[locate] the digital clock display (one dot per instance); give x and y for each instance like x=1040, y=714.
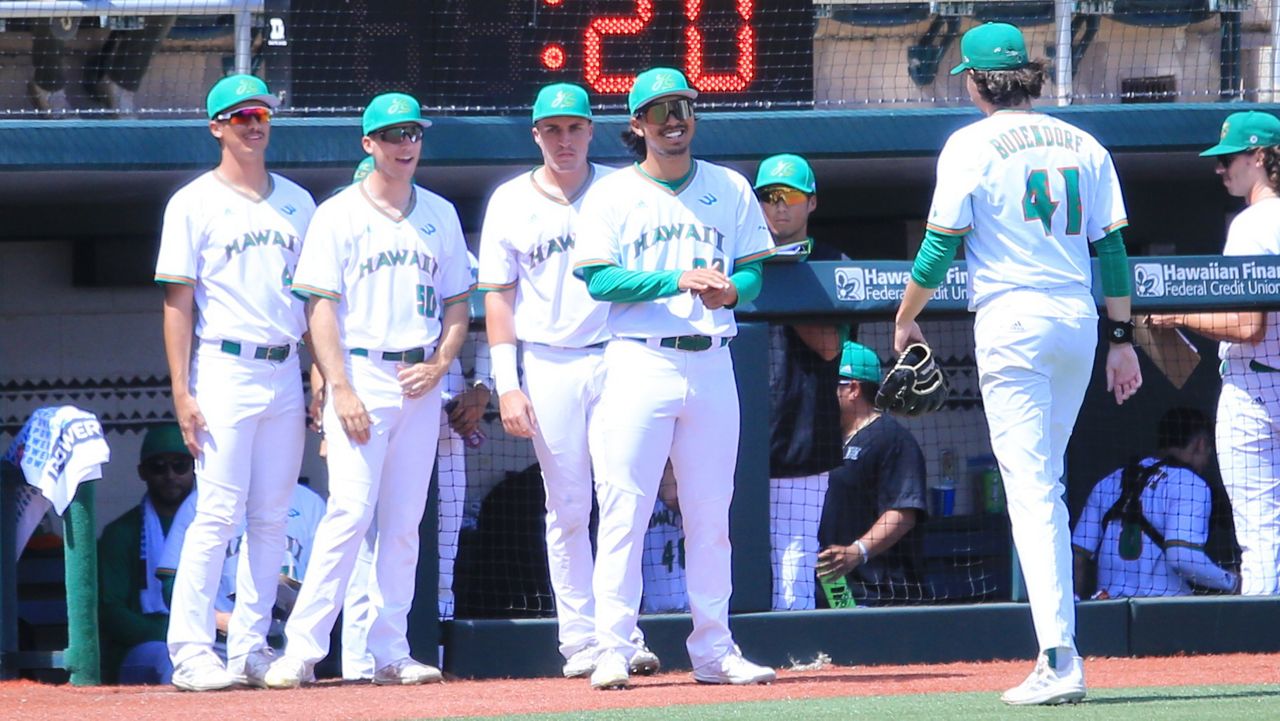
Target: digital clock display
x=491, y=56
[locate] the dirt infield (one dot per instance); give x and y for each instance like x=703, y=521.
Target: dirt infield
x=334, y=700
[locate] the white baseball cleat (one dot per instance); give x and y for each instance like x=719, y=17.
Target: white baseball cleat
x=611, y=671
x=204, y=672
x=287, y=672
x=254, y=670
x=645, y=662
x=1046, y=685
x=732, y=668
x=406, y=672
x=581, y=662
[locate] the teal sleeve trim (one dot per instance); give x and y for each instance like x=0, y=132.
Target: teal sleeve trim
x=617, y=285
x=1113, y=264
x=749, y=281
x=935, y=256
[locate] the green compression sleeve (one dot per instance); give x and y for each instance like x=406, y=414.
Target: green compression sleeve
x=1113, y=263
x=935, y=256
x=617, y=285
x=749, y=280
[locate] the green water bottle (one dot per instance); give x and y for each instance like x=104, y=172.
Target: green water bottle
x=838, y=593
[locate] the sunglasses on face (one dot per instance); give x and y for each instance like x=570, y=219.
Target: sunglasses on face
x=786, y=196
x=158, y=466
x=401, y=133
x=657, y=113
x=244, y=116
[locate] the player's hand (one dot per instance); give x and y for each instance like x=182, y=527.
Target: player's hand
x=191, y=421
x=517, y=414
x=836, y=562
x=1124, y=377
x=351, y=414
x=469, y=410
x=703, y=279
x=717, y=298
x=906, y=334
x=417, y=379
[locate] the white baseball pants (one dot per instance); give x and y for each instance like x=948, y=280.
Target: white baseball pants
x=1248, y=454
x=564, y=385
x=357, y=664
x=387, y=478
x=795, y=509
x=1035, y=356
x=247, y=468
x=659, y=403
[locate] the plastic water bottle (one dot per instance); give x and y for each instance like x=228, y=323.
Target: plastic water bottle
x=837, y=593
x=944, y=494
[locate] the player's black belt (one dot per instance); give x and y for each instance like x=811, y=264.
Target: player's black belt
x=261, y=352
x=413, y=355
x=593, y=346
x=692, y=342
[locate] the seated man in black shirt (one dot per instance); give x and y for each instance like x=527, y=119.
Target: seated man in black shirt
x=876, y=499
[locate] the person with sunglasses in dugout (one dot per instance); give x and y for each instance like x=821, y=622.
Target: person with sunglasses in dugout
x=804, y=419
x=134, y=615
x=674, y=244
x=1248, y=154
x=387, y=278
x=230, y=241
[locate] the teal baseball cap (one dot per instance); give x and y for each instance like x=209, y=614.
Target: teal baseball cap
x=657, y=83
x=163, y=438
x=363, y=169
x=859, y=363
x=786, y=169
x=1246, y=131
x=561, y=99
x=993, y=46
x=236, y=89
x=392, y=109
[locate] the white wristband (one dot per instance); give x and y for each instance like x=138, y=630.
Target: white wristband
x=862, y=548
x=505, y=376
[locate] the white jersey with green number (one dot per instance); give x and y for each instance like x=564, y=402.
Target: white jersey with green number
x=239, y=254
x=1030, y=192
x=392, y=279
x=1256, y=231
x=526, y=244
x=631, y=221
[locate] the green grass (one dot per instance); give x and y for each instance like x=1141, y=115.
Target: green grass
x=1194, y=703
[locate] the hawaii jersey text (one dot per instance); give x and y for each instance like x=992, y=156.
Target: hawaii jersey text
x=260, y=238
x=393, y=258
x=663, y=233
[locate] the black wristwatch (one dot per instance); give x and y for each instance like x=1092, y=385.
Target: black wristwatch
x=1120, y=331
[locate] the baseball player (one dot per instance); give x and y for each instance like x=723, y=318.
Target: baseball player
x=530, y=297
x=1027, y=193
x=663, y=565
x=673, y=243
x=230, y=242
x=1248, y=453
x=1145, y=525
x=387, y=281
x=804, y=423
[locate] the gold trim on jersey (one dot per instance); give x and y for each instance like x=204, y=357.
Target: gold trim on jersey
x=1122, y=223
x=581, y=191
x=251, y=197
x=401, y=217
x=693, y=172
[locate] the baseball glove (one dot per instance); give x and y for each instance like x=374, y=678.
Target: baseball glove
x=914, y=385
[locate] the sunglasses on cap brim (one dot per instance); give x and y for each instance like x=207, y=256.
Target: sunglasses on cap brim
x=400, y=133
x=786, y=196
x=657, y=113
x=244, y=116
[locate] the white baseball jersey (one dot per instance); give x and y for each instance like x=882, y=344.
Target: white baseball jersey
x=1176, y=501
x=631, y=221
x=526, y=244
x=1030, y=191
x=392, y=279
x=239, y=254
x=306, y=508
x=663, y=564
x=1256, y=231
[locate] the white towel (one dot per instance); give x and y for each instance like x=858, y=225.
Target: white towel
x=151, y=546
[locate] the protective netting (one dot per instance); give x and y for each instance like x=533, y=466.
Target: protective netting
x=152, y=58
